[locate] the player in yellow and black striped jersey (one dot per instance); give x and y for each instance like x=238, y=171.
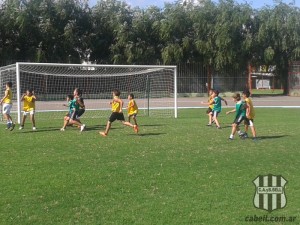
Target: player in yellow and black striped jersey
x=7, y=105
x=132, y=108
x=250, y=114
x=117, y=113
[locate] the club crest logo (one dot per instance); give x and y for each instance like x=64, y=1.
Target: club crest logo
x=269, y=192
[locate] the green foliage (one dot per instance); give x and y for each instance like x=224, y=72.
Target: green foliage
x=220, y=34
x=176, y=171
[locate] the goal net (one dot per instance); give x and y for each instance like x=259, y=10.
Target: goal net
x=154, y=87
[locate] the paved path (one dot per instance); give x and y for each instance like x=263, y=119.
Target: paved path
x=267, y=101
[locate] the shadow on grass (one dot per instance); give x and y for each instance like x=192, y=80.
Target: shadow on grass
x=54, y=129
x=152, y=125
x=48, y=129
x=271, y=137
x=147, y=134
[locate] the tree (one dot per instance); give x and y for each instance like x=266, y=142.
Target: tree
x=279, y=38
x=109, y=18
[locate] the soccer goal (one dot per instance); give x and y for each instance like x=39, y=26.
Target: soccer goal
x=154, y=87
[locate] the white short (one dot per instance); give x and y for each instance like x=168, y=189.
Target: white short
x=31, y=112
x=6, y=108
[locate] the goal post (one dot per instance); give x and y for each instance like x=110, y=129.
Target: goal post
x=154, y=87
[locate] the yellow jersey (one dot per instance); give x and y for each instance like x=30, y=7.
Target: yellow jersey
x=132, y=107
x=116, y=106
x=252, y=113
x=210, y=102
x=8, y=99
x=29, y=103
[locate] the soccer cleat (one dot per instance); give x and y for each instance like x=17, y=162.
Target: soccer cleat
x=82, y=127
x=21, y=128
x=33, y=128
x=12, y=127
x=103, y=134
x=209, y=125
x=231, y=139
x=135, y=128
x=245, y=135
x=254, y=139
x=219, y=127
x=241, y=134
x=62, y=129
x=8, y=126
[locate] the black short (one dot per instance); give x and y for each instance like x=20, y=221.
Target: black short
x=73, y=115
x=209, y=110
x=116, y=116
x=80, y=112
x=239, y=119
x=249, y=122
x=133, y=115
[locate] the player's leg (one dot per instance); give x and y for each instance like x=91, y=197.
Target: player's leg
x=215, y=118
x=235, y=126
x=107, y=128
x=134, y=119
x=77, y=123
x=135, y=127
x=111, y=119
x=252, y=127
x=6, y=114
x=209, y=114
x=121, y=118
x=129, y=118
x=23, y=120
x=66, y=122
x=32, y=118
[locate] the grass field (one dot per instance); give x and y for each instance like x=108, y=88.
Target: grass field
x=175, y=171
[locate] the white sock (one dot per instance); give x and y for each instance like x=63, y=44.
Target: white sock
x=231, y=136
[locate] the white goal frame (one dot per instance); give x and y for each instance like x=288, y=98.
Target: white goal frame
x=18, y=65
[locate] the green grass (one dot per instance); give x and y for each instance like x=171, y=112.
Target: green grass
x=275, y=92
x=176, y=171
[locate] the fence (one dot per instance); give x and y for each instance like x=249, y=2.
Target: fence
x=194, y=79
x=294, y=79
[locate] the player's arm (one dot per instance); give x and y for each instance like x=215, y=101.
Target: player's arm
x=80, y=103
x=224, y=100
x=231, y=111
x=248, y=109
x=211, y=102
x=23, y=96
x=130, y=104
x=5, y=95
x=33, y=96
x=121, y=103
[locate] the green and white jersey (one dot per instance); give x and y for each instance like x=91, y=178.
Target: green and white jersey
x=217, y=104
x=240, y=108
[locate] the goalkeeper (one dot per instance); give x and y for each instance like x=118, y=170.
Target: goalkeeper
x=29, y=99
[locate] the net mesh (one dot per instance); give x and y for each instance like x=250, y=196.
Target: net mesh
x=153, y=87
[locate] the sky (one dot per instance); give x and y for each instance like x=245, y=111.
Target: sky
x=160, y=3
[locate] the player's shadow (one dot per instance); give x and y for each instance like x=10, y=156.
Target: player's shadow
x=39, y=130
x=271, y=137
x=96, y=127
x=152, y=125
x=147, y=134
